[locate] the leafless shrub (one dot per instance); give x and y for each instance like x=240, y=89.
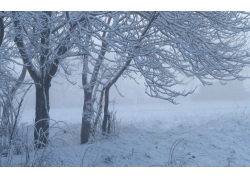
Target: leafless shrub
x=23, y=152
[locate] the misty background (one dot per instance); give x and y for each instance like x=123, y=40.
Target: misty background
x=64, y=94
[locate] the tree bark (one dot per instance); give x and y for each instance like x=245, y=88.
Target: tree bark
x=41, y=132
x=106, y=111
x=1, y=31
x=99, y=110
x=86, y=117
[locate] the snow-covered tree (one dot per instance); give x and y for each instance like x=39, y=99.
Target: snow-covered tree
x=42, y=40
x=100, y=36
x=206, y=45
x=162, y=46
x=166, y=46
x=10, y=82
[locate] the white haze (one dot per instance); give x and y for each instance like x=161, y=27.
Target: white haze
x=64, y=95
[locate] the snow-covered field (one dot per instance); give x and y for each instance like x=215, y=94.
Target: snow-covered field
x=148, y=135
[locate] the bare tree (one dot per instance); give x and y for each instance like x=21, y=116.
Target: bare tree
x=121, y=70
x=10, y=83
x=42, y=39
x=205, y=45
x=105, y=32
x=162, y=46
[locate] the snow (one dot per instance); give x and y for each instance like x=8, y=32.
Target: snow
x=193, y=133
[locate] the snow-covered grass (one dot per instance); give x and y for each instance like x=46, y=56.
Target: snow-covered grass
x=150, y=135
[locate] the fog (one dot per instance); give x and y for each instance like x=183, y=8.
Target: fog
x=63, y=94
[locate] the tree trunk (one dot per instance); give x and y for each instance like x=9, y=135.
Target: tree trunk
x=41, y=132
x=86, y=117
x=106, y=112
x=99, y=110
x=106, y=101
x=1, y=31
x=6, y=112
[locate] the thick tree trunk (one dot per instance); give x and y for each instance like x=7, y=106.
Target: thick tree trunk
x=41, y=132
x=86, y=117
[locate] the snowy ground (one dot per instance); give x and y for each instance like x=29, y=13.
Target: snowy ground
x=188, y=134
